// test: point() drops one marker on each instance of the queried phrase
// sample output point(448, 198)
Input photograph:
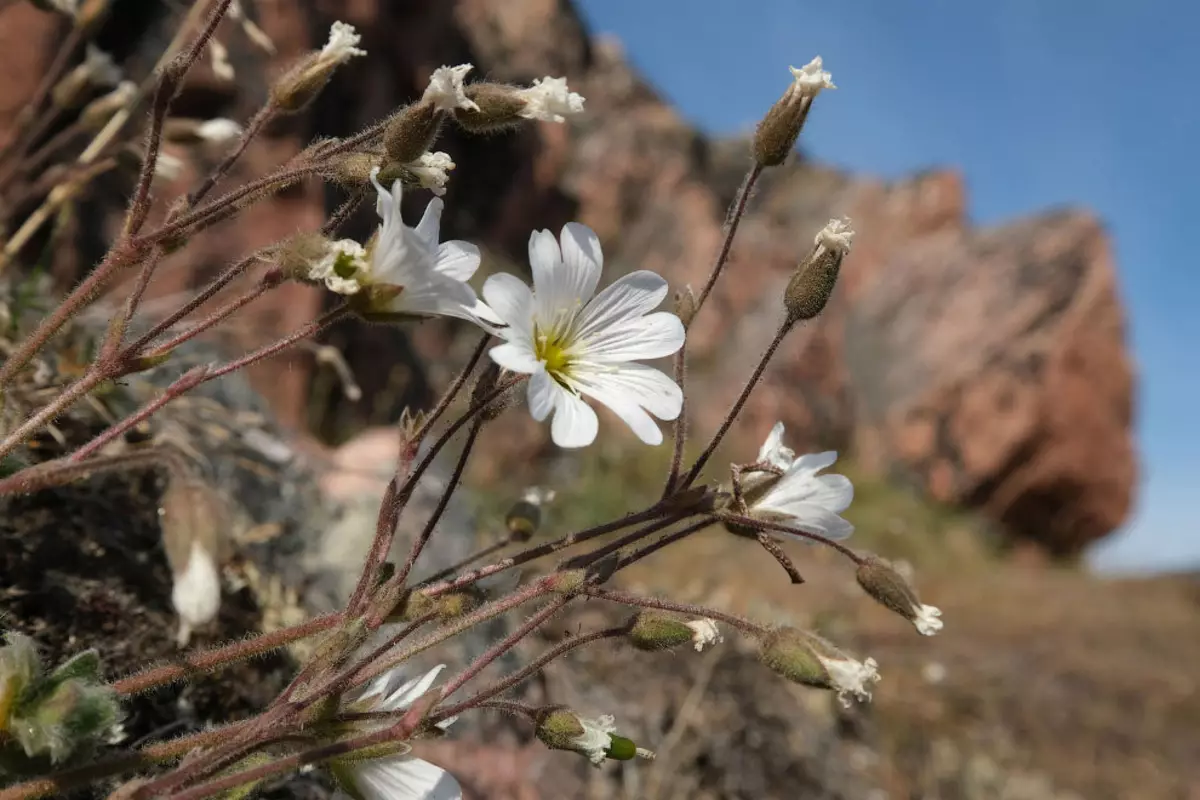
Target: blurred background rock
point(979, 380)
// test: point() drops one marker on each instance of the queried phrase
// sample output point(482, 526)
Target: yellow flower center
point(551, 349)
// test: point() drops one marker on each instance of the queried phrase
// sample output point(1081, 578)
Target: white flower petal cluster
point(573, 345)
point(341, 46)
point(801, 497)
point(595, 739)
point(836, 236)
point(550, 100)
point(445, 89)
point(196, 593)
point(402, 776)
point(850, 677)
point(927, 620)
point(219, 131)
point(704, 633)
point(342, 267)
point(810, 79)
point(429, 278)
point(432, 171)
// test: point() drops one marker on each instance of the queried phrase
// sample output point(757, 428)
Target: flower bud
point(192, 519)
point(413, 606)
point(525, 516)
point(457, 604)
point(776, 135)
point(567, 581)
point(685, 305)
point(412, 130)
point(497, 107)
point(880, 579)
point(217, 131)
point(353, 169)
point(657, 630)
point(300, 85)
point(812, 283)
point(559, 728)
point(806, 658)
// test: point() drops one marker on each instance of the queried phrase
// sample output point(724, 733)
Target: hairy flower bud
point(457, 604)
point(887, 586)
point(192, 519)
point(525, 516)
point(353, 169)
point(685, 305)
point(658, 630)
point(412, 130)
point(776, 135)
point(497, 107)
point(300, 85)
point(806, 658)
point(567, 581)
point(812, 283)
point(560, 728)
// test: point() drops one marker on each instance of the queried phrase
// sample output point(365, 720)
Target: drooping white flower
point(418, 275)
point(341, 46)
point(799, 496)
point(402, 776)
point(572, 344)
point(445, 89)
point(219, 131)
point(342, 266)
point(432, 171)
point(836, 236)
point(850, 677)
point(196, 594)
point(595, 740)
point(704, 633)
point(810, 79)
point(550, 100)
point(927, 620)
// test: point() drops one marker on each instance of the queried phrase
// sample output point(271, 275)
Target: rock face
point(986, 367)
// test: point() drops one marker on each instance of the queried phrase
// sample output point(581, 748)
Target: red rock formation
point(988, 367)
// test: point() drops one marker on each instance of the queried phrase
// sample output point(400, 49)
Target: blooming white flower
point(402, 776)
point(704, 633)
point(550, 100)
point(219, 130)
point(850, 677)
point(595, 739)
point(418, 275)
point(196, 594)
point(801, 497)
point(432, 171)
point(926, 620)
point(810, 79)
point(572, 344)
point(445, 89)
point(341, 267)
point(836, 236)
point(341, 46)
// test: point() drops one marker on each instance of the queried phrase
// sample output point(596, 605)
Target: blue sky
point(1039, 103)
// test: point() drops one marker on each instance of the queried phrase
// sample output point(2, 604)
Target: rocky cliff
point(987, 368)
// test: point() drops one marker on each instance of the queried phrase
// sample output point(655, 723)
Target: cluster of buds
point(56, 715)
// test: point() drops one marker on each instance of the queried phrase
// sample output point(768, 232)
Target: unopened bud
point(353, 169)
point(496, 107)
point(685, 305)
point(776, 135)
point(412, 130)
point(806, 658)
point(887, 586)
point(219, 131)
point(567, 581)
point(559, 728)
point(812, 283)
point(658, 630)
point(302, 83)
point(192, 519)
point(457, 604)
point(414, 606)
point(525, 516)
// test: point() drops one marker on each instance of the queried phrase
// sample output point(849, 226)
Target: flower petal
point(544, 261)
point(773, 450)
point(635, 383)
point(624, 406)
point(431, 222)
point(813, 463)
point(652, 336)
point(402, 778)
point(438, 295)
point(542, 394)
point(816, 519)
point(574, 423)
point(583, 258)
point(516, 357)
point(629, 297)
point(404, 696)
point(834, 492)
point(456, 259)
point(511, 300)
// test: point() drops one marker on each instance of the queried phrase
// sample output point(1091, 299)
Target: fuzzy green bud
point(412, 130)
point(776, 135)
point(888, 587)
point(74, 717)
point(812, 283)
point(301, 84)
point(558, 727)
point(353, 169)
point(498, 107)
point(457, 604)
point(415, 605)
point(567, 582)
point(807, 659)
point(658, 630)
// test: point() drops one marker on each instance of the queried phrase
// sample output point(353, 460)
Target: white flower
point(801, 497)
point(402, 776)
point(341, 267)
point(342, 45)
point(810, 79)
point(219, 130)
point(927, 619)
point(99, 67)
point(445, 89)
point(850, 677)
point(573, 344)
point(432, 171)
point(196, 594)
point(429, 278)
point(836, 236)
point(550, 100)
point(595, 740)
point(704, 633)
